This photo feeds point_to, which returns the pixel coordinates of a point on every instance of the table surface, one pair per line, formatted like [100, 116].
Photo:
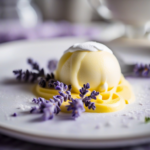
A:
[8, 143]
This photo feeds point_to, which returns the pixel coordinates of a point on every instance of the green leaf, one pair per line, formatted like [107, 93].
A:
[147, 119]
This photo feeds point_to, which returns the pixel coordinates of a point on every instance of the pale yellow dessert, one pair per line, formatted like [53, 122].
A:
[93, 63]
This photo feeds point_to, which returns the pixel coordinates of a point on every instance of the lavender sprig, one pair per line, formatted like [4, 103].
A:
[48, 108]
[60, 86]
[84, 90]
[48, 80]
[59, 99]
[50, 76]
[52, 107]
[18, 74]
[29, 76]
[87, 99]
[64, 90]
[42, 83]
[141, 70]
[33, 64]
[77, 107]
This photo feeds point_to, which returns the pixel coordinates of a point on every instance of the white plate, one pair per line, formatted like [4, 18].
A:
[121, 128]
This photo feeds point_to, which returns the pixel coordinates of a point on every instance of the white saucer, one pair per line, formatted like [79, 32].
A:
[121, 128]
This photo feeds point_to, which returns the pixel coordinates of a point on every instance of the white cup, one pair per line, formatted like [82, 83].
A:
[134, 13]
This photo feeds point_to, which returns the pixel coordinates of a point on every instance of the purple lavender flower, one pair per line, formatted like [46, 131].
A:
[56, 106]
[138, 68]
[77, 107]
[26, 75]
[60, 86]
[48, 113]
[34, 110]
[59, 99]
[94, 94]
[63, 89]
[14, 115]
[42, 82]
[49, 76]
[52, 65]
[18, 74]
[52, 107]
[88, 103]
[87, 100]
[29, 75]
[48, 108]
[141, 70]
[33, 64]
[35, 100]
[69, 87]
[51, 83]
[39, 100]
[77, 112]
[33, 77]
[64, 95]
[84, 90]
[69, 94]
[41, 72]
[145, 71]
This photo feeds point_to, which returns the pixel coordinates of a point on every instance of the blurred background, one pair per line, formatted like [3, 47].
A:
[103, 20]
[36, 19]
[45, 19]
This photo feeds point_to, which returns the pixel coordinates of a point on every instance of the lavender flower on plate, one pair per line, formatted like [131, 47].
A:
[29, 75]
[50, 76]
[77, 107]
[51, 107]
[141, 70]
[14, 115]
[52, 65]
[48, 108]
[87, 99]
[42, 83]
[84, 90]
[64, 90]
[33, 64]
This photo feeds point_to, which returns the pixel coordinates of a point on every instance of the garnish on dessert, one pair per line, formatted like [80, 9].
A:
[52, 106]
[29, 76]
[106, 90]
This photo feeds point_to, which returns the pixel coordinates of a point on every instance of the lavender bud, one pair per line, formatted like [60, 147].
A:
[14, 115]
[69, 87]
[42, 82]
[52, 65]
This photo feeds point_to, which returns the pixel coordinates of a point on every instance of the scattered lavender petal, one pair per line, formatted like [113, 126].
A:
[52, 65]
[14, 115]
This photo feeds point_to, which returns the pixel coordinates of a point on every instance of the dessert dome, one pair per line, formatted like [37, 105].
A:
[97, 67]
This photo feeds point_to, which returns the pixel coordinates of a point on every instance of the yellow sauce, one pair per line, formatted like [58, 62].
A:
[113, 100]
